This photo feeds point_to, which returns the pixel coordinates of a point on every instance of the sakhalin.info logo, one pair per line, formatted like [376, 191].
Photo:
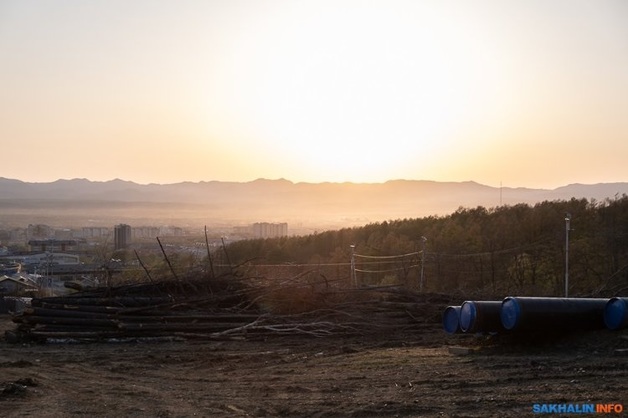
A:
[577, 408]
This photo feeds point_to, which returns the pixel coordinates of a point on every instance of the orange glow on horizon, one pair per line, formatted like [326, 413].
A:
[317, 91]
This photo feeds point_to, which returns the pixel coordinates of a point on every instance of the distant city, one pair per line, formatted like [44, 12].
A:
[43, 260]
[79, 233]
[35, 235]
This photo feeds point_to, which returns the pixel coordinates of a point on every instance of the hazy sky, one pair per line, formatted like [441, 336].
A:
[527, 93]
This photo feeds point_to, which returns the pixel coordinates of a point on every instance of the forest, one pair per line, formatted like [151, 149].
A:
[476, 252]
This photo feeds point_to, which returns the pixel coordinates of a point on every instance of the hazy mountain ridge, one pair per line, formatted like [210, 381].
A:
[268, 190]
[283, 200]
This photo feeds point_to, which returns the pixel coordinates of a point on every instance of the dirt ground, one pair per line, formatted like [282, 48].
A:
[408, 375]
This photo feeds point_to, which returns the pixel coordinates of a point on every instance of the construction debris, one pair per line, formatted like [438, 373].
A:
[221, 309]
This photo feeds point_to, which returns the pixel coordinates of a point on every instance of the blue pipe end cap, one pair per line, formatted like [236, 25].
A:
[510, 313]
[616, 313]
[468, 313]
[451, 319]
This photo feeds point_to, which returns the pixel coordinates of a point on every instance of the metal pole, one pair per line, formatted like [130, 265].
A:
[567, 220]
[423, 240]
[353, 276]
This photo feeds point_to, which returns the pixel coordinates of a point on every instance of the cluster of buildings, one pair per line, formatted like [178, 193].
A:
[89, 233]
[124, 234]
[54, 257]
[45, 273]
[270, 230]
[57, 261]
[262, 230]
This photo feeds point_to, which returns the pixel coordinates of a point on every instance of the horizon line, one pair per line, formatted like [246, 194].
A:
[283, 179]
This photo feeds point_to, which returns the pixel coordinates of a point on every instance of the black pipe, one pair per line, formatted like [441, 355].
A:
[481, 316]
[552, 314]
[451, 320]
[616, 313]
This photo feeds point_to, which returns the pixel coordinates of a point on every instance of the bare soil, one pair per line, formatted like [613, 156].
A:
[406, 375]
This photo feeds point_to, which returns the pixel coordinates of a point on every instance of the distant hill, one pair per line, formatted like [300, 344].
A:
[320, 205]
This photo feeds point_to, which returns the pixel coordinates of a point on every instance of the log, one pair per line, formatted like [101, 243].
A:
[205, 336]
[156, 317]
[85, 322]
[43, 336]
[77, 334]
[80, 308]
[66, 313]
[118, 301]
[208, 327]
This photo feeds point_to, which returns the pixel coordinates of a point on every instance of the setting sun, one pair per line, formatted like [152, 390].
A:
[317, 91]
[359, 93]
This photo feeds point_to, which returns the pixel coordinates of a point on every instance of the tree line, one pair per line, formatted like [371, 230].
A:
[520, 249]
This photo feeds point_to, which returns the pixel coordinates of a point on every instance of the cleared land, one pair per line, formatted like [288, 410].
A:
[405, 374]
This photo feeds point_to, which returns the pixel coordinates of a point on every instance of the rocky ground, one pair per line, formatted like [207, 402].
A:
[408, 374]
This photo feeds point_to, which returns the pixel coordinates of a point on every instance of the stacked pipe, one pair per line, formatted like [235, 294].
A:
[451, 320]
[564, 314]
[616, 313]
[524, 314]
[480, 316]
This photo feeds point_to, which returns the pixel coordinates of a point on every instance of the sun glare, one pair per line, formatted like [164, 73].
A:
[317, 91]
[364, 101]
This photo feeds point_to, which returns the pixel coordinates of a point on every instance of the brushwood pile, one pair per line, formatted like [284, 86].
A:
[228, 307]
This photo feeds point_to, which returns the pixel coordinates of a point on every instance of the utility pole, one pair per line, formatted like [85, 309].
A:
[353, 276]
[567, 221]
[423, 241]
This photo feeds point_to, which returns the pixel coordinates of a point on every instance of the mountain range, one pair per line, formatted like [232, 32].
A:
[319, 205]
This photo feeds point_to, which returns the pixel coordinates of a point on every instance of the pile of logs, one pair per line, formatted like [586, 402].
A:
[167, 308]
[193, 309]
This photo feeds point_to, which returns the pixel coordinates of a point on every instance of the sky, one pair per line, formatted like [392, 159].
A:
[527, 93]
